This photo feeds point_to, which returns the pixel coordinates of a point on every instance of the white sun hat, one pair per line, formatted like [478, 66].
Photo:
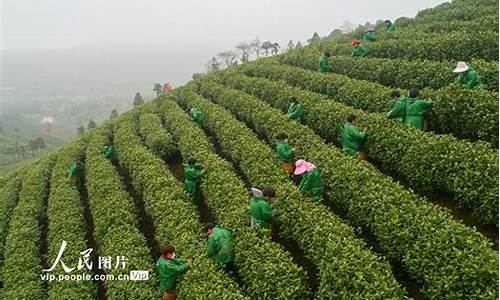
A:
[461, 67]
[256, 192]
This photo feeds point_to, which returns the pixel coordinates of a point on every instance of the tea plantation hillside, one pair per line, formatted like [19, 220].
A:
[418, 218]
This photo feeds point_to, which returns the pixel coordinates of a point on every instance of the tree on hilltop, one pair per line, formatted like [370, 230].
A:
[114, 113]
[138, 98]
[91, 125]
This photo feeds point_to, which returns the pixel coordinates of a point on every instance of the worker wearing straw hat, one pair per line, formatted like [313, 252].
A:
[359, 50]
[467, 75]
[311, 182]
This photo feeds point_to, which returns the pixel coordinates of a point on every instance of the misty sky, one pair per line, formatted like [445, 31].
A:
[138, 42]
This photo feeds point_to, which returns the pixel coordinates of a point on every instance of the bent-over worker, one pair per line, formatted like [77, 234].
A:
[109, 151]
[398, 107]
[295, 111]
[369, 36]
[197, 116]
[415, 110]
[324, 64]
[261, 212]
[220, 245]
[311, 182]
[285, 153]
[193, 172]
[352, 138]
[359, 50]
[467, 75]
[389, 26]
[170, 268]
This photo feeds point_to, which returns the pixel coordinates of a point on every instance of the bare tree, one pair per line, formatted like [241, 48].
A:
[347, 27]
[196, 76]
[228, 57]
[213, 65]
[266, 46]
[275, 48]
[369, 26]
[114, 113]
[244, 49]
[291, 45]
[80, 130]
[314, 39]
[255, 46]
[91, 125]
[335, 33]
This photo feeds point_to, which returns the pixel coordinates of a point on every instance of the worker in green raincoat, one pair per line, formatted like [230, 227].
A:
[467, 75]
[261, 212]
[170, 268]
[220, 245]
[324, 64]
[398, 107]
[197, 115]
[193, 172]
[369, 36]
[295, 111]
[389, 26]
[359, 50]
[285, 153]
[109, 151]
[311, 182]
[415, 110]
[76, 175]
[352, 138]
[283, 149]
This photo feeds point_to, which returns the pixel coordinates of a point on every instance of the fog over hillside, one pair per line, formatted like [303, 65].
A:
[98, 54]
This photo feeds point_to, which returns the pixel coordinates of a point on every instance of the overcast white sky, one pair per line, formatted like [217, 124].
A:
[49, 24]
[169, 40]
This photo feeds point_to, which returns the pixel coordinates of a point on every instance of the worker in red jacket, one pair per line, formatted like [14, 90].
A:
[167, 88]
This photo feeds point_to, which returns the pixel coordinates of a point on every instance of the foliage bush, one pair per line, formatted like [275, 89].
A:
[173, 215]
[456, 46]
[406, 227]
[23, 266]
[457, 10]
[66, 222]
[396, 73]
[159, 141]
[428, 161]
[114, 217]
[489, 20]
[454, 110]
[346, 268]
[9, 196]
[267, 270]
